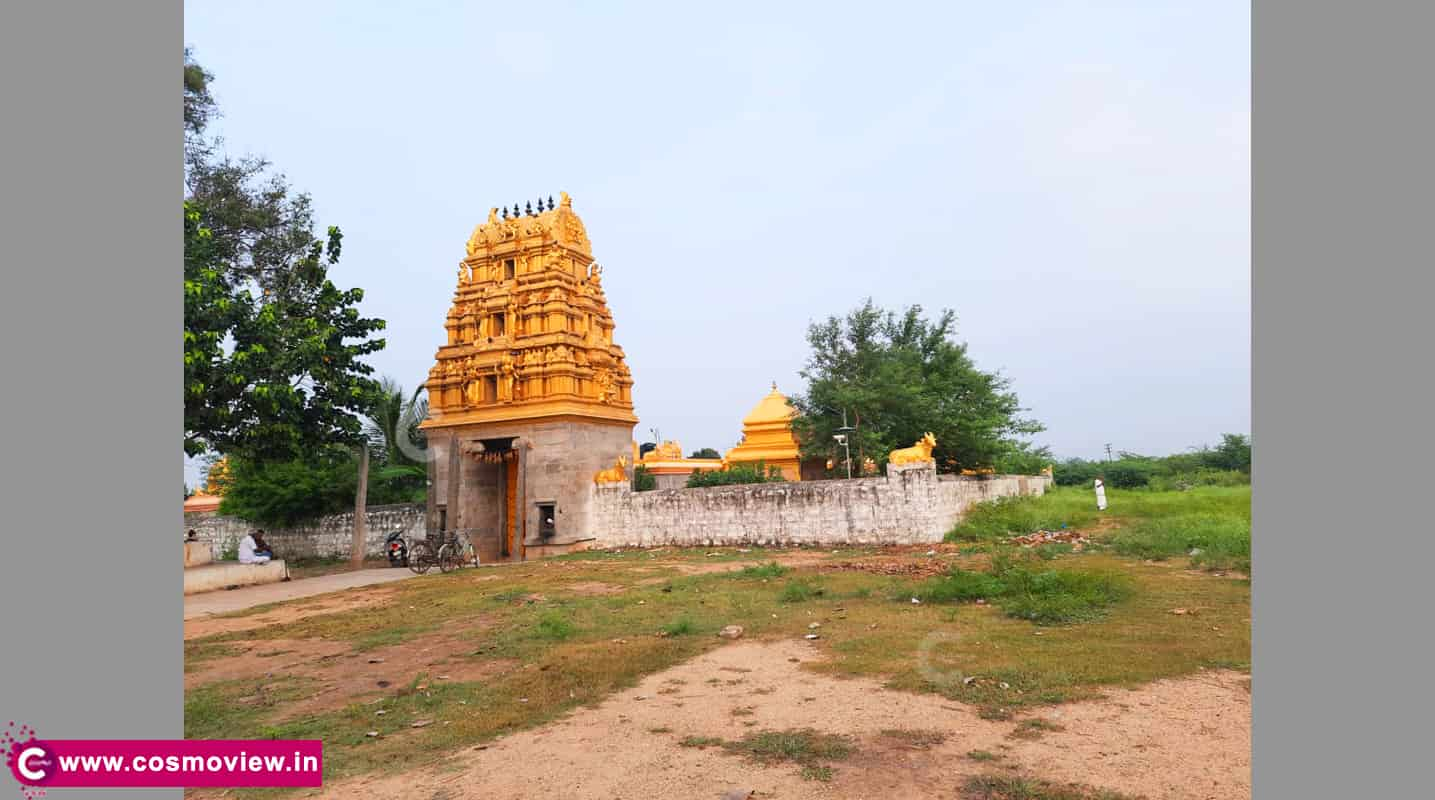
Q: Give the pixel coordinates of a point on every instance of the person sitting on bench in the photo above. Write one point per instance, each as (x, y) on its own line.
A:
(249, 550)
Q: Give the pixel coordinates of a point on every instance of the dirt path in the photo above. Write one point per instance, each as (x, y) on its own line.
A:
(225, 602)
(1183, 739)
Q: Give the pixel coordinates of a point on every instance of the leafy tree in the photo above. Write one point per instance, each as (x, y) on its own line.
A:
(706, 452)
(1233, 453)
(898, 376)
(272, 362)
(285, 493)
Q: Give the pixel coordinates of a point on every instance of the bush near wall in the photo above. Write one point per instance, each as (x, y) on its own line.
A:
(736, 474)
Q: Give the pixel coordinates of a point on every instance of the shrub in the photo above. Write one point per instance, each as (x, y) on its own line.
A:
(736, 474)
(771, 569)
(643, 481)
(799, 590)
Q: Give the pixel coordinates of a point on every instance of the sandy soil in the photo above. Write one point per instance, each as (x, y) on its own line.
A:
(1183, 739)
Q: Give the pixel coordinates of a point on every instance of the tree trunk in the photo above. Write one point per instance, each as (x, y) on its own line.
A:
(360, 545)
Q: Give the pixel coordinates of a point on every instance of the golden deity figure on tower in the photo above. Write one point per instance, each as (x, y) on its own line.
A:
(529, 331)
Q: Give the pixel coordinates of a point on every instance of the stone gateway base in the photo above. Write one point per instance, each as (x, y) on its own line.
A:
(516, 476)
(911, 505)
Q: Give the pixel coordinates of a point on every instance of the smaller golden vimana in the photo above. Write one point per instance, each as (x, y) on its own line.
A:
(529, 332)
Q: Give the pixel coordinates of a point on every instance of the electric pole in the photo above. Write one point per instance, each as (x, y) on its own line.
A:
(1108, 452)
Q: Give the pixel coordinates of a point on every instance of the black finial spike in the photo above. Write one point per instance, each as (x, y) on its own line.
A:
(550, 202)
(515, 210)
(505, 212)
(528, 208)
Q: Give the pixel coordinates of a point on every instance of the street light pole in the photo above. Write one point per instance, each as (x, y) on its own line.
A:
(842, 439)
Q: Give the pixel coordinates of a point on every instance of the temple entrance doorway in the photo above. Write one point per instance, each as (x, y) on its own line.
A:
(494, 500)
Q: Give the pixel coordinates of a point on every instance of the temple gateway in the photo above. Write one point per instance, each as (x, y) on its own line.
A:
(529, 396)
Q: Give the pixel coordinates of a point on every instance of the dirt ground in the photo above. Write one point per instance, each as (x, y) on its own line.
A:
(1185, 739)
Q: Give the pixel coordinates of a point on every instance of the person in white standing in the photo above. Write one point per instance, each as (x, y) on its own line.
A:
(1100, 495)
(247, 555)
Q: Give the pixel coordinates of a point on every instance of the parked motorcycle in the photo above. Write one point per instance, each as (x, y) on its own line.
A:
(397, 549)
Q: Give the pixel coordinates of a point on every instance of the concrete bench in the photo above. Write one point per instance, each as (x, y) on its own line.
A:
(196, 553)
(224, 574)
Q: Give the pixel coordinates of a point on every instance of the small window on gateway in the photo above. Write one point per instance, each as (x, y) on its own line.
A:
(509, 269)
(547, 525)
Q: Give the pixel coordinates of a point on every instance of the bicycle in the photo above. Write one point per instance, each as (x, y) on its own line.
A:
(456, 551)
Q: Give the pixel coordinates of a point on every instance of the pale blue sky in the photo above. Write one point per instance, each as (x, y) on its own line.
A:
(1073, 179)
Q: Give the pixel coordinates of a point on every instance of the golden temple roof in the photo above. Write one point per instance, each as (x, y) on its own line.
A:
(772, 408)
(767, 435)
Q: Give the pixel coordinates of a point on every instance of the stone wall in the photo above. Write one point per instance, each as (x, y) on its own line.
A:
(911, 505)
(327, 537)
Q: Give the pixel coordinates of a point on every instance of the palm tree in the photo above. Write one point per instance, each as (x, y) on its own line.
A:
(393, 430)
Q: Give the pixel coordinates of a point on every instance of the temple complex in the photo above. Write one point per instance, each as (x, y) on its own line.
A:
(529, 395)
(767, 436)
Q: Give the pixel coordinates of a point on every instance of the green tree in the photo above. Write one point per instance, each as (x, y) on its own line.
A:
(897, 376)
(706, 452)
(273, 349)
(1233, 453)
(288, 492)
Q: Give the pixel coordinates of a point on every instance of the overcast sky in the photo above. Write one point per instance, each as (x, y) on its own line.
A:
(1072, 179)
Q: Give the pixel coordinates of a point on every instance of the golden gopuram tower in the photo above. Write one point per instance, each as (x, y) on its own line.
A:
(529, 396)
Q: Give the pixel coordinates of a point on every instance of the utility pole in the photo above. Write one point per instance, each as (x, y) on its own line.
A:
(842, 439)
(1108, 452)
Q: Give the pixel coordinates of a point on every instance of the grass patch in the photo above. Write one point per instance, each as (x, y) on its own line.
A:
(196, 652)
(1034, 728)
(1044, 596)
(800, 590)
(553, 625)
(982, 755)
(700, 741)
(806, 747)
(817, 773)
(1002, 787)
(1209, 540)
(660, 730)
(682, 626)
(1073, 507)
(771, 569)
(920, 739)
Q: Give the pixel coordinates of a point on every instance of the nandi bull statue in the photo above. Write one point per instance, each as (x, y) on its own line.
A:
(613, 474)
(919, 453)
